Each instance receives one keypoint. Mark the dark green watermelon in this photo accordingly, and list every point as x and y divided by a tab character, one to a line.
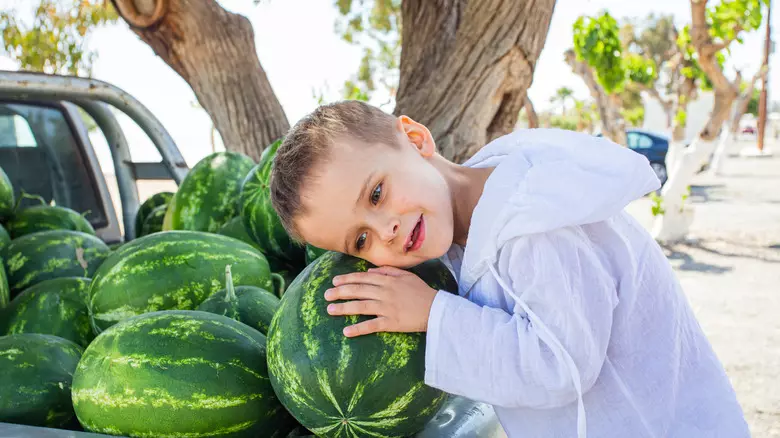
153	222
46	218
312	253
251	305
5	239
41	256
208	196
261	221
151	203
5	291
53	307
235	228
7	199
336	386
170	270
35	382
178	373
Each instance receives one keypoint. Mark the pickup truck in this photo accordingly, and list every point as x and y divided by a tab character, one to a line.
45	149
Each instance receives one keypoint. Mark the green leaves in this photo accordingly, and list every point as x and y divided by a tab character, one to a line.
55	42
729	17
640	69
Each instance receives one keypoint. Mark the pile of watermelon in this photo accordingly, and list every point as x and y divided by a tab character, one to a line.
211	322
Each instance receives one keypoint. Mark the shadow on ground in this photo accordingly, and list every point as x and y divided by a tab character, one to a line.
730	248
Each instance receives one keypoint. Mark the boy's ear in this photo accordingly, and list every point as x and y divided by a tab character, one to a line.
417	134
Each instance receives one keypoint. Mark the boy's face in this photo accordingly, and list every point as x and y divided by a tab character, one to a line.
388	205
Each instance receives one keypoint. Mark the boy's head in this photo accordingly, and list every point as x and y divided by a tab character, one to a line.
351	178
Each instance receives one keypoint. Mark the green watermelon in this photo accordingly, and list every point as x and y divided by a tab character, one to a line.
45	255
251	305
146	207
53	307
5	291
5	239
170	270
46	217
208	196
36	379
235	228
178	373
153	222
260	218
7	199
312	253
336	386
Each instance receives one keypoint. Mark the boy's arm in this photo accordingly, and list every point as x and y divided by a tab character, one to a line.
511	360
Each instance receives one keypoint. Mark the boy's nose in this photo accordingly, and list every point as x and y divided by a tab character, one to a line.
390	231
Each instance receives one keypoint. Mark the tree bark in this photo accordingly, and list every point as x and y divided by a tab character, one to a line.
530	112
466	65
214	51
743	101
612	121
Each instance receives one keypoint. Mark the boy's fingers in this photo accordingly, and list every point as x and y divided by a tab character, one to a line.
352	292
362	307
360	277
366	327
388	271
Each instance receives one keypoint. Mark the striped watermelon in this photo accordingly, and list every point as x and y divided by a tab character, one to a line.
170	270
153	222
344	387
5	291
46	217
7	200
251	305
178	373
5	239
312	253
45	255
260	218
146	207
36	379
235	228
53	307
208	196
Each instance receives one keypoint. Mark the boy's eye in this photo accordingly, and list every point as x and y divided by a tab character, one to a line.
376	195
361	241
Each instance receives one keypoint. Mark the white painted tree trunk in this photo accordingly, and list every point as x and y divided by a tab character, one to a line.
724	144
673	225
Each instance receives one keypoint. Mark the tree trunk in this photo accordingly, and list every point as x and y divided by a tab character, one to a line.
743	101
612	121
214	51
530	112
466	66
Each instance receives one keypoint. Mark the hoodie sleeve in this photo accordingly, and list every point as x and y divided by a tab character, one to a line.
563	301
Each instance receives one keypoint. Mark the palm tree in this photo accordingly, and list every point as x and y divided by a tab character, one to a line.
561	96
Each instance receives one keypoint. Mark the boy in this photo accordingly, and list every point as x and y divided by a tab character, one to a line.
566	305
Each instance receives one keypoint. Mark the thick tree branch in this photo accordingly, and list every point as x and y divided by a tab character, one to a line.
743	101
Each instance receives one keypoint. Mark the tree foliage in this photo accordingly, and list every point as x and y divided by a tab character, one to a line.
55	40
376	27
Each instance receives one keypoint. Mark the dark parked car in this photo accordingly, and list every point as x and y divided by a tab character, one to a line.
653	146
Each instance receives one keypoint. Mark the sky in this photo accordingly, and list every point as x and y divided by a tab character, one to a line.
299	65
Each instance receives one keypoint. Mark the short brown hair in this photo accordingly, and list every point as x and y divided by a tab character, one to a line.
308	142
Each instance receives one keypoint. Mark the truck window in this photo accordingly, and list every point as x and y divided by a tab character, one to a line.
41	156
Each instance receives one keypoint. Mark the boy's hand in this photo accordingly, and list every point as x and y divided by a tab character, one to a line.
400	300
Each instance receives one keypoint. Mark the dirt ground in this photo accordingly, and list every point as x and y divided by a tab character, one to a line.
730	271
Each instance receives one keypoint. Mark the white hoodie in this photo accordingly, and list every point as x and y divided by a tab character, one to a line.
568	309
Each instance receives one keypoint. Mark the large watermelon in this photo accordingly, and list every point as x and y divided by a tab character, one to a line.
251	305
170	270
336	386
5	291
7	200
153	222
35	382
178	373
260	218
46	217
5	239
208	196
53	307
45	255
146	207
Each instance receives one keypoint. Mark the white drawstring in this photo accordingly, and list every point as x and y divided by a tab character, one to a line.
548	337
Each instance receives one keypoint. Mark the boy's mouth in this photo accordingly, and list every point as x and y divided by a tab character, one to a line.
416	237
